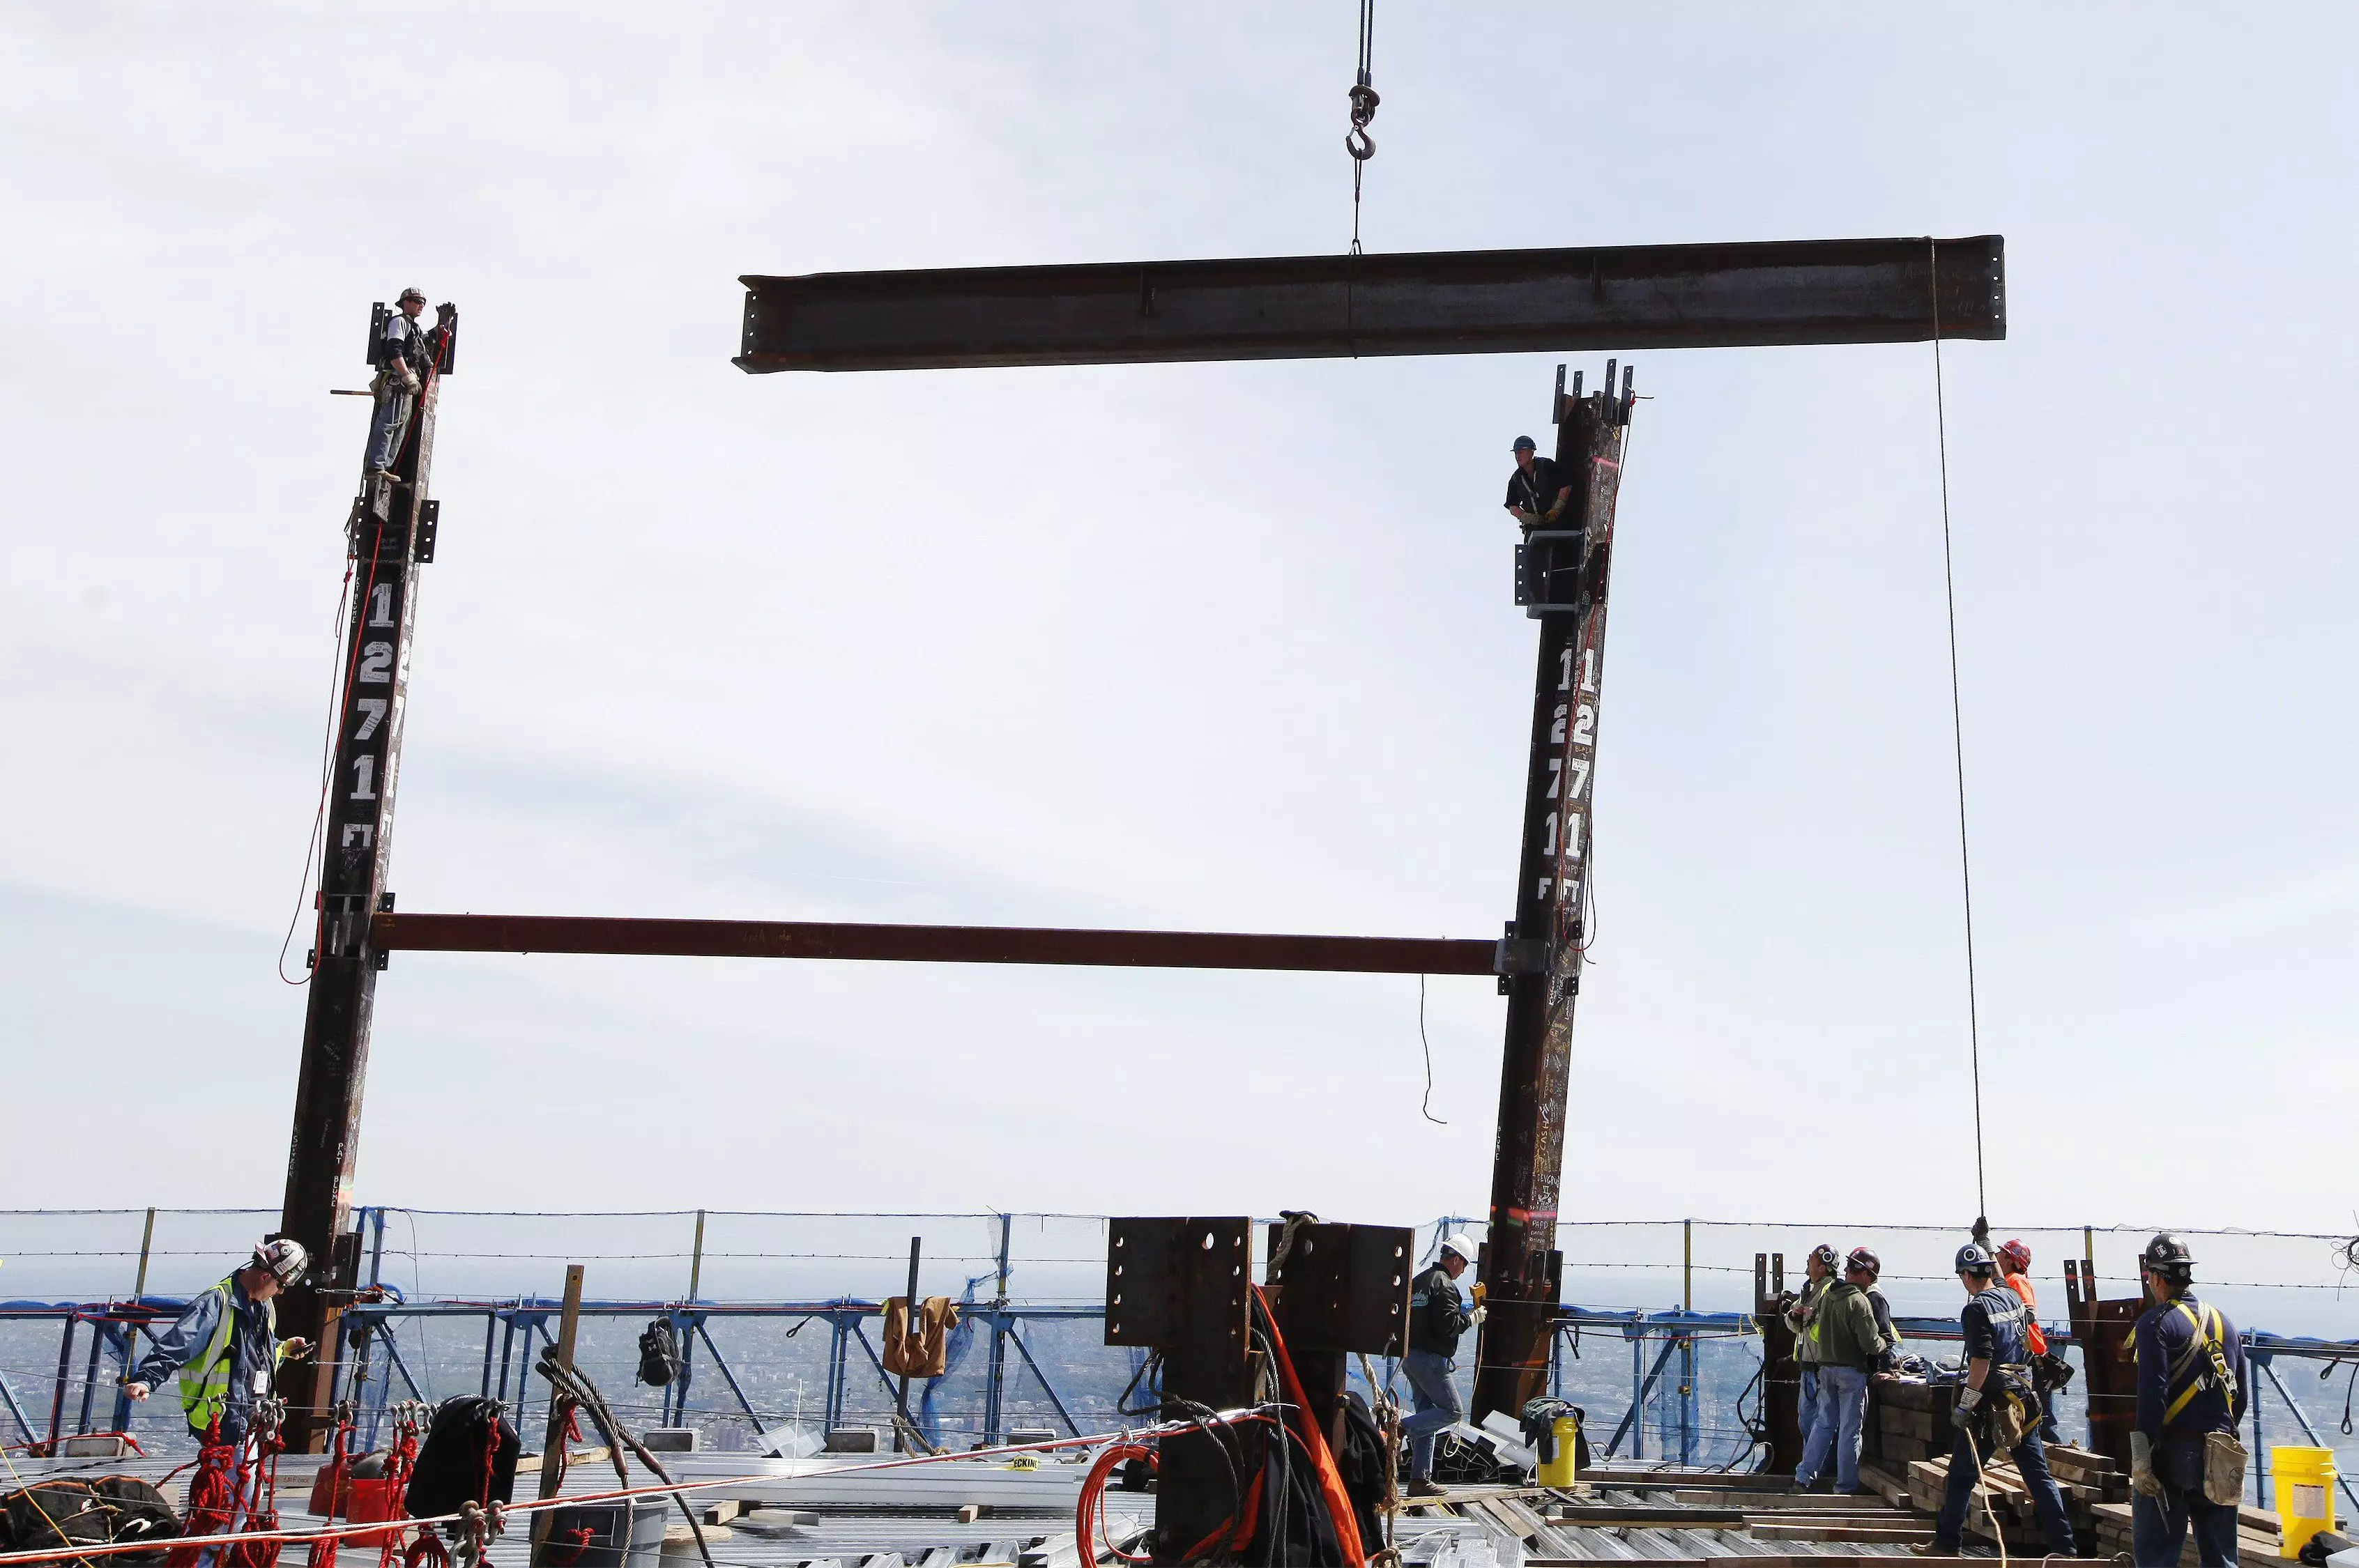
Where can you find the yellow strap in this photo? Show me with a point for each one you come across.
(2207, 1333)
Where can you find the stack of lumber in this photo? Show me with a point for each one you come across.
(2256, 1536)
(2000, 1511)
(1908, 1420)
(2094, 1474)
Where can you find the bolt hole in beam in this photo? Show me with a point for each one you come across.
(1448, 302)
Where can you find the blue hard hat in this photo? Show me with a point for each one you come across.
(1525, 444)
(1972, 1260)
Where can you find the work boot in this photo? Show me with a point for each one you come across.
(1422, 1489)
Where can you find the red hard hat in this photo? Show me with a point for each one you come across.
(2016, 1257)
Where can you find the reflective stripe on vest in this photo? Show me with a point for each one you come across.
(204, 1379)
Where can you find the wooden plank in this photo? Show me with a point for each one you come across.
(1893, 1534)
(1917, 1424)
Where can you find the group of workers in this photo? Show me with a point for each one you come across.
(2186, 1468)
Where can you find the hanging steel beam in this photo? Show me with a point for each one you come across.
(933, 944)
(1440, 302)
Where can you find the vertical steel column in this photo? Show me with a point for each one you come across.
(1687, 1344)
(391, 531)
(122, 1422)
(561, 1406)
(65, 1376)
(1543, 977)
(909, 1327)
(993, 1388)
(835, 1370)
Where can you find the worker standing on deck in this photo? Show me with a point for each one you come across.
(2186, 1466)
(404, 359)
(225, 1345)
(2015, 1268)
(1995, 1409)
(1850, 1347)
(1863, 1268)
(1438, 1317)
(1801, 1316)
(1537, 495)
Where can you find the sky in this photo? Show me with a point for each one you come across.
(1223, 647)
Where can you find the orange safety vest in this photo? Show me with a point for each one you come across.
(2032, 1336)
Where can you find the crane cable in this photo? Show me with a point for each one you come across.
(1356, 141)
(1957, 727)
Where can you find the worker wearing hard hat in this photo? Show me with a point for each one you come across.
(1996, 1411)
(1801, 1313)
(1537, 493)
(2186, 1466)
(1438, 1317)
(225, 1345)
(404, 357)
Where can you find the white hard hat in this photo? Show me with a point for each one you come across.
(1459, 1243)
(285, 1257)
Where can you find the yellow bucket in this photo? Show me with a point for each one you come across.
(1560, 1471)
(2305, 1487)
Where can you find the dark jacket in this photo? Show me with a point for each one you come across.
(1436, 1313)
(1846, 1329)
(2175, 1367)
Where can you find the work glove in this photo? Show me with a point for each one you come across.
(407, 377)
(2143, 1480)
(1962, 1415)
(1477, 1315)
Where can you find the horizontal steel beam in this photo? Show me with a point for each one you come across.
(1440, 302)
(930, 944)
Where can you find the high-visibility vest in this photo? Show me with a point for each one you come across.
(204, 1381)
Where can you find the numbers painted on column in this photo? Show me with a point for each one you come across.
(1584, 725)
(363, 778)
(1555, 726)
(376, 663)
(372, 714)
(1588, 669)
(1564, 675)
(1578, 768)
(381, 605)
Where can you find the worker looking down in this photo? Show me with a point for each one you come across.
(404, 358)
(1536, 494)
(1864, 1268)
(1438, 1317)
(225, 1345)
(1850, 1347)
(1995, 1409)
(2186, 1466)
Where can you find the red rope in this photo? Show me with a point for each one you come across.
(1088, 1517)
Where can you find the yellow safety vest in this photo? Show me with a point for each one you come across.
(204, 1381)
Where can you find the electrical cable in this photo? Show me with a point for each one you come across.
(1957, 721)
(1427, 1106)
(313, 846)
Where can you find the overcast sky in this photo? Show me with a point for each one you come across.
(1198, 646)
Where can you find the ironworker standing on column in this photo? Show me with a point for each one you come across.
(1996, 1411)
(1438, 1318)
(2186, 1466)
(404, 357)
(1537, 493)
(225, 1345)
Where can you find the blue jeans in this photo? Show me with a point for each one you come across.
(2158, 1525)
(2030, 1457)
(387, 426)
(1437, 1407)
(1842, 1401)
(1806, 1414)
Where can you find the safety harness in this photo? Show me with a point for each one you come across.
(2207, 1340)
